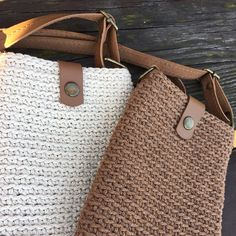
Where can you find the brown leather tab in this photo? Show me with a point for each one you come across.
(71, 83)
(190, 118)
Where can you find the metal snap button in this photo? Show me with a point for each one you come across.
(71, 89)
(188, 122)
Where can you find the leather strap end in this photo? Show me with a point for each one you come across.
(71, 83)
(192, 114)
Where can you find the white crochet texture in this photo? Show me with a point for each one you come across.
(49, 152)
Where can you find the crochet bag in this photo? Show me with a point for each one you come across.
(163, 172)
(56, 119)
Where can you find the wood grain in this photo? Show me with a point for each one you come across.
(201, 34)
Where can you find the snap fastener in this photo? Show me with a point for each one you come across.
(71, 89)
(188, 122)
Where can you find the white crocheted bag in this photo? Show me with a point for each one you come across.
(50, 151)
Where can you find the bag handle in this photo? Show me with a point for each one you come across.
(216, 101)
(85, 44)
(107, 31)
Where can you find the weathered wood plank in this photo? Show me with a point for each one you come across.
(130, 14)
(163, 6)
(197, 33)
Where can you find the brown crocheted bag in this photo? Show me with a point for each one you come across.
(164, 170)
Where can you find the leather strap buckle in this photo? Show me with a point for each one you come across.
(147, 72)
(110, 19)
(114, 62)
(213, 73)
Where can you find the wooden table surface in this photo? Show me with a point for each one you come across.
(201, 34)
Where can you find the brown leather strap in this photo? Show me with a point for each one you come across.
(85, 44)
(14, 34)
(216, 101)
(22, 30)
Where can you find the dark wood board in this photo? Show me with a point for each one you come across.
(199, 33)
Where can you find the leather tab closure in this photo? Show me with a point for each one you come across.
(71, 83)
(192, 114)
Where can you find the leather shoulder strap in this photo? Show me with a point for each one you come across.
(216, 101)
(19, 31)
(16, 33)
(84, 44)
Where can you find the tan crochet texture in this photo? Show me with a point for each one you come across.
(152, 182)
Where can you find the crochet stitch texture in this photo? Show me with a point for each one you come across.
(152, 182)
(49, 151)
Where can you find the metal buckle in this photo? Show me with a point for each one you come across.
(146, 72)
(114, 62)
(232, 120)
(213, 73)
(110, 19)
